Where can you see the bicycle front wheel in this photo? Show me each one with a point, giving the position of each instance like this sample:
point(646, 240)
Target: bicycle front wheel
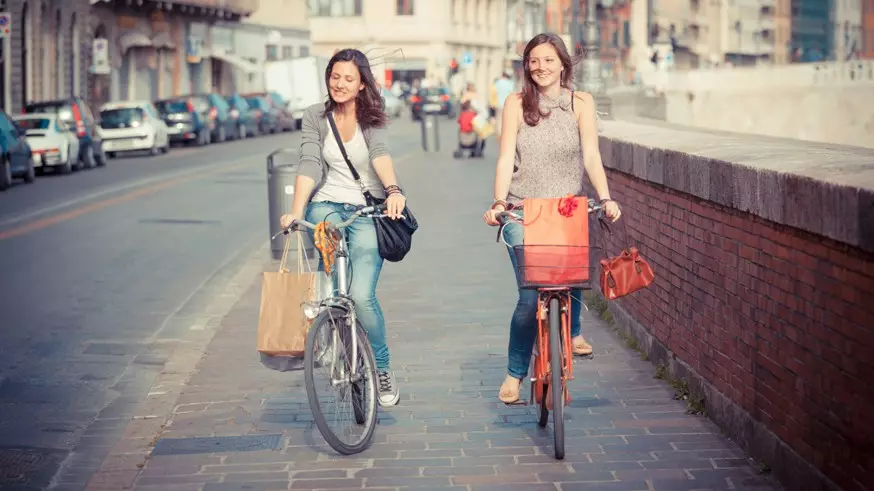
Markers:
point(344, 404)
point(556, 362)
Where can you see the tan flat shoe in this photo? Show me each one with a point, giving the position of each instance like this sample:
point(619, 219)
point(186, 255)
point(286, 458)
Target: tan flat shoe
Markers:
point(510, 389)
point(581, 347)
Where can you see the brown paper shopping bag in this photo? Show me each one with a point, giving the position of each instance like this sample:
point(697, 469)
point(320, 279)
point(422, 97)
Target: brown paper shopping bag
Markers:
point(282, 326)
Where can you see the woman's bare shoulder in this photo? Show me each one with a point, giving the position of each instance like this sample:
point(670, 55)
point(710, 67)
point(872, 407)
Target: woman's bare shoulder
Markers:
point(584, 97)
point(513, 101)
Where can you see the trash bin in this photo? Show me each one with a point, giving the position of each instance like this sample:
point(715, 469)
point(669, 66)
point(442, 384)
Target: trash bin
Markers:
point(430, 132)
point(280, 194)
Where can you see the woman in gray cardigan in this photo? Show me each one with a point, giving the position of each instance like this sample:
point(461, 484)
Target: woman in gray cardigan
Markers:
point(326, 190)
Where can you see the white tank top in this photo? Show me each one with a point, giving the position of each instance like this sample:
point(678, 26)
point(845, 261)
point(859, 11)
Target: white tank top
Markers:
point(340, 186)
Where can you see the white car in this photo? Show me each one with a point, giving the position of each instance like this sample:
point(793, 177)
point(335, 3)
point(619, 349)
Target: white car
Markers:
point(53, 142)
point(393, 105)
point(133, 126)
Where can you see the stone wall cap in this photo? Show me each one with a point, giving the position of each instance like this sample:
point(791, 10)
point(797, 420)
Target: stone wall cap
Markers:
point(821, 188)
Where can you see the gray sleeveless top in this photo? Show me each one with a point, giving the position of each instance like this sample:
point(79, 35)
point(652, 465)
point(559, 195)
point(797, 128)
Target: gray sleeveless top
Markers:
point(548, 156)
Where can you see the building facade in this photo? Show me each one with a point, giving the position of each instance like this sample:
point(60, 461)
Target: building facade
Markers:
point(867, 51)
point(46, 53)
point(847, 19)
point(277, 30)
point(782, 31)
point(813, 27)
point(748, 32)
point(525, 19)
point(416, 39)
point(153, 49)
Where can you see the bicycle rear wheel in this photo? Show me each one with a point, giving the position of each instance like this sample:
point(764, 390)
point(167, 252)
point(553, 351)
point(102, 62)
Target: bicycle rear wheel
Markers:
point(556, 362)
point(329, 347)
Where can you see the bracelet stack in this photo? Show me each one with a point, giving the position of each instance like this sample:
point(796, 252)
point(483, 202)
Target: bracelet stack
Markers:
point(393, 189)
point(499, 202)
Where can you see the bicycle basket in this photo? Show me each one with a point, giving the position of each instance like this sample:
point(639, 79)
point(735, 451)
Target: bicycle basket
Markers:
point(553, 266)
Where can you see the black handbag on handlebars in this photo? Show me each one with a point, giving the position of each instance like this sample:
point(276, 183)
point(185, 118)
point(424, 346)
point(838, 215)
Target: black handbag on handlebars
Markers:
point(394, 237)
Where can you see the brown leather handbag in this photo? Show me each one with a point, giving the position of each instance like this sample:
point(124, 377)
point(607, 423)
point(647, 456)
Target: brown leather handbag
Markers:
point(626, 273)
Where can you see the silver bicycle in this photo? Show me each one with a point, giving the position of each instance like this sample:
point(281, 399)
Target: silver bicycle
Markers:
point(343, 351)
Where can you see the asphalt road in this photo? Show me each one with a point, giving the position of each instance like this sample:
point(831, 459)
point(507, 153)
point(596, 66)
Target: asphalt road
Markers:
point(102, 274)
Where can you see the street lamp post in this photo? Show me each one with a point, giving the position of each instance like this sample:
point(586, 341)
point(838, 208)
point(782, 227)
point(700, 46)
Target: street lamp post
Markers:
point(590, 79)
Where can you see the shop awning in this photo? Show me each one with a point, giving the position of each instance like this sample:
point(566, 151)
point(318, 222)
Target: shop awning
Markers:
point(162, 40)
point(133, 39)
point(236, 61)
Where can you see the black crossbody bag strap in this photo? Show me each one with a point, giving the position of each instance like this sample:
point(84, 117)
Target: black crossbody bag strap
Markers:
point(367, 196)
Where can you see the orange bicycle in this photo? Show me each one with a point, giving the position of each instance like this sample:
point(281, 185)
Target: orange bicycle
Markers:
point(552, 270)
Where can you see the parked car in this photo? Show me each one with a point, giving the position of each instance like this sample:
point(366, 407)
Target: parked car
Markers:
point(15, 160)
point(267, 116)
point(185, 124)
point(218, 115)
point(245, 116)
point(285, 120)
point(432, 100)
point(132, 126)
point(53, 143)
point(393, 105)
point(76, 113)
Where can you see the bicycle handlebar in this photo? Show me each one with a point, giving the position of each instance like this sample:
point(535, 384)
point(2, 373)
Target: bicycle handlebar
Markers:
point(505, 216)
point(370, 211)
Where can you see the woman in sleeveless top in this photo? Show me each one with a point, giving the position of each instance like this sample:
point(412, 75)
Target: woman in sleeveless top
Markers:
point(554, 146)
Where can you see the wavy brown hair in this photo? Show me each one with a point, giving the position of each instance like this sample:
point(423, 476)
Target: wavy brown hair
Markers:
point(531, 112)
point(369, 105)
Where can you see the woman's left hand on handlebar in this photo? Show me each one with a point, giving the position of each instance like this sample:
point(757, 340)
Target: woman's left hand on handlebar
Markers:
point(394, 205)
point(611, 209)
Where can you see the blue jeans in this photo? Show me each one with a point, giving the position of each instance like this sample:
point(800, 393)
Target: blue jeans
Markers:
point(366, 263)
point(523, 326)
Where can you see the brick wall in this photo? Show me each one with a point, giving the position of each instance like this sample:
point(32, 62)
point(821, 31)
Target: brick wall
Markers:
point(776, 320)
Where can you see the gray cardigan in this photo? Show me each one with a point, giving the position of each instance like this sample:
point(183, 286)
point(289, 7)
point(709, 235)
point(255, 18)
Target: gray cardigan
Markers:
point(314, 129)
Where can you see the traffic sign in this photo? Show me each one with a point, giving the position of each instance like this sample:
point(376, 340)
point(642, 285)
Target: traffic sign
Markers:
point(5, 25)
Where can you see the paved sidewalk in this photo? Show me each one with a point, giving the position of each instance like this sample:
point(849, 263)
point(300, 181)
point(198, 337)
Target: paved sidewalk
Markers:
point(448, 307)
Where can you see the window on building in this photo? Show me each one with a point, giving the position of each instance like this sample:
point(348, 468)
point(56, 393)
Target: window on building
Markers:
point(304, 51)
point(272, 52)
point(405, 7)
point(334, 8)
point(287, 53)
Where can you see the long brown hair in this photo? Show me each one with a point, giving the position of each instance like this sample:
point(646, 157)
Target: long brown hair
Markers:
point(369, 105)
point(531, 112)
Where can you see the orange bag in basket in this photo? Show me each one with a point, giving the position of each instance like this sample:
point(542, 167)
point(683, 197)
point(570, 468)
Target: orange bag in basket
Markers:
point(556, 240)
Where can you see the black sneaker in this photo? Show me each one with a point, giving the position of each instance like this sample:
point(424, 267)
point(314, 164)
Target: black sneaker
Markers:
point(388, 389)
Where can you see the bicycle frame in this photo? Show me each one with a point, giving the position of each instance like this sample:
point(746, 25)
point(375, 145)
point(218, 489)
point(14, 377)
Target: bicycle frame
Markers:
point(340, 296)
point(542, 370)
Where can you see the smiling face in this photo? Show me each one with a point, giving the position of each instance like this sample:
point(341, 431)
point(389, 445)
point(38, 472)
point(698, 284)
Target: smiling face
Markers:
point(345, 82)
point(544, 65)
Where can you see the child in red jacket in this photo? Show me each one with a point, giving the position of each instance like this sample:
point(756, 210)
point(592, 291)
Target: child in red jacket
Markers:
point(467, 137)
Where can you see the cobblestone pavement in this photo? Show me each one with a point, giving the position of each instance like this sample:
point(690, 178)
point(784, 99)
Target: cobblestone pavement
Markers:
point(239, 426)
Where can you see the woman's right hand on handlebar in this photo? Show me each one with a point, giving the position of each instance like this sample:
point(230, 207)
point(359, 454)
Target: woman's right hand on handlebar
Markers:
point(286, 220)
point(491, 216)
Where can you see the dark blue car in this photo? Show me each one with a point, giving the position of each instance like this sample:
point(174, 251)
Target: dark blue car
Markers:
point(16, 160)
point(185, 124)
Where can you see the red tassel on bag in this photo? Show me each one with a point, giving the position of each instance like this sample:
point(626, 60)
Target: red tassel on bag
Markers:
point(567, 206)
